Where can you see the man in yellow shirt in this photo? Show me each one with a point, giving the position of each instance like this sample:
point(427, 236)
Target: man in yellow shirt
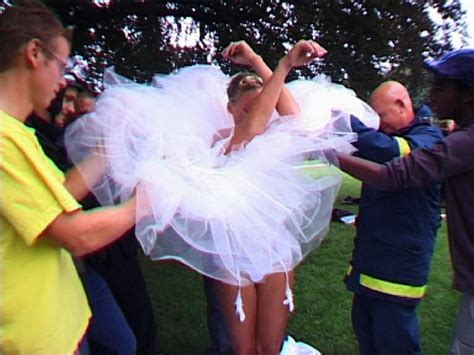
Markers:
point(43, 308)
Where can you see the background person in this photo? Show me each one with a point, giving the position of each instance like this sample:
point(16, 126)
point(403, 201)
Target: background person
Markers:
point(395, 231)
point(118, 263)
point(85, 100)
point(451, 160)
point(65, 111)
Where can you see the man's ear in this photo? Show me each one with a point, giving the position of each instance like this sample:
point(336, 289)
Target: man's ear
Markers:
point(400, 103)
point(31, 52)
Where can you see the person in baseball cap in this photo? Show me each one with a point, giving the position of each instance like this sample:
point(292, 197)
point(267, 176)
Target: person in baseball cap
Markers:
point(450, 161)
point(456, 65)
point(453, 74)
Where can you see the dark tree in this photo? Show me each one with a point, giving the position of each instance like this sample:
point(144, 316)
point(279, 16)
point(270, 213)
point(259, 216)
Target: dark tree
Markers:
point(368, 40)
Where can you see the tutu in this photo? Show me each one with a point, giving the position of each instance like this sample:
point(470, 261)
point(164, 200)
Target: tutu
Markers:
point(237, 217)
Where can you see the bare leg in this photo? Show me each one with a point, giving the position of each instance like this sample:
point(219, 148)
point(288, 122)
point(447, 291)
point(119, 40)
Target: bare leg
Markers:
point(241, 333)
point(272, 314)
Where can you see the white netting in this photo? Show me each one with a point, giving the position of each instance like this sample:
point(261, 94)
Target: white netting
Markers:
point(235, 217)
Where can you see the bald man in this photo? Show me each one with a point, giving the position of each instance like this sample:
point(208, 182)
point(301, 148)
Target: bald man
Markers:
point(395, 231)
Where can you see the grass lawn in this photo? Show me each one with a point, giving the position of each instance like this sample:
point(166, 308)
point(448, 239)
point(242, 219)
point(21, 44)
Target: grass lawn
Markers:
point(322, 315)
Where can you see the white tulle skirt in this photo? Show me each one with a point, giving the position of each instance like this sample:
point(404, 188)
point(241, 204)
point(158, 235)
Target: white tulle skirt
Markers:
point(236, 217)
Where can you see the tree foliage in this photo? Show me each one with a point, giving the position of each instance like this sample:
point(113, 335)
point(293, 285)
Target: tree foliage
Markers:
point(368, 40)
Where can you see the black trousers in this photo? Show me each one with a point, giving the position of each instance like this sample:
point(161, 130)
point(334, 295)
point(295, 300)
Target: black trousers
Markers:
point(118, 264)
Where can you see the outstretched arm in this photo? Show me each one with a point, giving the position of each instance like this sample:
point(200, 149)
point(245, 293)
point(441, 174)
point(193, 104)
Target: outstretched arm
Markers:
point(241, 53)
point(364, 170)
point(82, 232)
point(261, 109)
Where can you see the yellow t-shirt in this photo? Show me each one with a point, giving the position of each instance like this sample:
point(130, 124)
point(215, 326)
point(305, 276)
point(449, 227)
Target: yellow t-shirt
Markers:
point(43, 307)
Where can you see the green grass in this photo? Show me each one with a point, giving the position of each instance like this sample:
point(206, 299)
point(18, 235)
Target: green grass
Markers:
point(322, 315)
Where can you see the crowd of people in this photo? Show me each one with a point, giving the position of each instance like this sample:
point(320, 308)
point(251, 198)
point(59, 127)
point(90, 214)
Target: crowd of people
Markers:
point(86, 182)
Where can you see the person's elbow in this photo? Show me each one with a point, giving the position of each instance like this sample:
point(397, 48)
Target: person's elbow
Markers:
point(295, 111)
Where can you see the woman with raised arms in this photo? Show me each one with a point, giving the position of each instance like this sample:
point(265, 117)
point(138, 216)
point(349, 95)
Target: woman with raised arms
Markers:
point(221, 186)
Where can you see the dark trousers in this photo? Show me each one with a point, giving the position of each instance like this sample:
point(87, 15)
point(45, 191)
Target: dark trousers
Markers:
point(218, 333)
point(119, 265)
point(108, 328)
point(385, 327)
point(83, 346)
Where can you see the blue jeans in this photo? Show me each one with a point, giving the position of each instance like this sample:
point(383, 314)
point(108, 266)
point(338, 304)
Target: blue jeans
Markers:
point(385, 327)
point(108, 327)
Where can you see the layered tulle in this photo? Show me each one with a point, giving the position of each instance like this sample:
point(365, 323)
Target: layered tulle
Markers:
point(235, 217)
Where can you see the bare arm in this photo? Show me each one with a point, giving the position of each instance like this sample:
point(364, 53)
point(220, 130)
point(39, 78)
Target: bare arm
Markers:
point(241, 53)
point(261, 109)
point(83, 232)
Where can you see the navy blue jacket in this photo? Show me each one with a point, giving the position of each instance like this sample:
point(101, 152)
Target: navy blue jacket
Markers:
point(396, 231)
